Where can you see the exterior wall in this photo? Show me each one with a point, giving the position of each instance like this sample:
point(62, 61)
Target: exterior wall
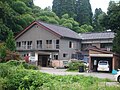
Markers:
point(64, 48)
point(37, 33)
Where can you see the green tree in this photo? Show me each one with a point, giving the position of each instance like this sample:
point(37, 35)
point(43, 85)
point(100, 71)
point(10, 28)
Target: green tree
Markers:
point(61, 7)
point(3, 31)
point(96, 20)
point(83, 12)
point(116, 43)
point(69, 23)
point(10, 42)
point(111, 20)
point(86, 28)
point(2, 51)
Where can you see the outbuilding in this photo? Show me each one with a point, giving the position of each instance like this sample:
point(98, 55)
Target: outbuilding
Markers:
point(95, 55)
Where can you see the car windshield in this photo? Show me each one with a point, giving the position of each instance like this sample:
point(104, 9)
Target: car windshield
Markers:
point(102, 63)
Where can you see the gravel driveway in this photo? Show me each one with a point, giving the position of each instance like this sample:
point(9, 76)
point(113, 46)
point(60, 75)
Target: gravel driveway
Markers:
point(64, 72)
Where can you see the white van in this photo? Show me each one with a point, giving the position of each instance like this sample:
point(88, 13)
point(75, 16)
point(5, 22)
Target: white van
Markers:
point(103, 65)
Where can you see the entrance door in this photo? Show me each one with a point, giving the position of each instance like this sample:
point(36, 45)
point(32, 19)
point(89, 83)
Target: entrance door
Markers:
point(43, 60)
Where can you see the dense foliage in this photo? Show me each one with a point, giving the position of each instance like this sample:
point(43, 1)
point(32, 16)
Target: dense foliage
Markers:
point(78, 9)
point(15, 77)
point(15, 15)
point(111, 21)
point(61, 7)
point(7, 49)
point(96, 20)
point(74, 65)
point(84, 12)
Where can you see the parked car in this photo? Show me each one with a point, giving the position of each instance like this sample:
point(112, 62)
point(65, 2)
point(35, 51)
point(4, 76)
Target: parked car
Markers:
point(117, 76)
point(103, 65)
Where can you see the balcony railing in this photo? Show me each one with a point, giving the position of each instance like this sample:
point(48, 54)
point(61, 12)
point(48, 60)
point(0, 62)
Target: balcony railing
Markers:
point(39, 47)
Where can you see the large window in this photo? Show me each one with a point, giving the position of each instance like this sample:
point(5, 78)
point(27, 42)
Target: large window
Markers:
point(29, 44)
point(49, 43)
point(18, 44)
point(39, 43)
point(24, 44)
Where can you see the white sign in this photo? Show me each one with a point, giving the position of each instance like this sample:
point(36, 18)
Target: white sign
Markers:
point(32, 58)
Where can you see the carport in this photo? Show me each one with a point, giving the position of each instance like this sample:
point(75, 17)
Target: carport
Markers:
point(95, 55)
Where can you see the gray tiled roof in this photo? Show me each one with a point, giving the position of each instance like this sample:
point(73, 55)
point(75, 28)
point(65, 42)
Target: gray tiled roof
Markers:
point(63, 31)
point(102, 35)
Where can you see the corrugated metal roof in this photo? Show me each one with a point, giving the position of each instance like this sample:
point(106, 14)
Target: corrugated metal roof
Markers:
point(101, 35)
point(63, 31)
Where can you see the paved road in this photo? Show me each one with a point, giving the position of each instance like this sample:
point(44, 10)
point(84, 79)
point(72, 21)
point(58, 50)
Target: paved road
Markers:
point(64, 72)
point(99, 75)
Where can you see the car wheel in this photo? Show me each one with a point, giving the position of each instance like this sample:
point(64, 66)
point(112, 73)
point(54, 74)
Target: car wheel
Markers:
point(118, 79)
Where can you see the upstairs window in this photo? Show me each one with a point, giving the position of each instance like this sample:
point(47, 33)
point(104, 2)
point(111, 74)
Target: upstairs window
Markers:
point(18, 44)
point(49, 43)
point(57, 44)
point(39, 43)
point(24, 44)
point(70, 44)
point(29, 44)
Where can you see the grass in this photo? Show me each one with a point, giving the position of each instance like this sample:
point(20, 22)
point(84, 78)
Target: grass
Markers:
point(20, 78)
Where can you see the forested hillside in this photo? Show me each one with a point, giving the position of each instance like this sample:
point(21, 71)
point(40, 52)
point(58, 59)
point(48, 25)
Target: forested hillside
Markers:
point(77, 15)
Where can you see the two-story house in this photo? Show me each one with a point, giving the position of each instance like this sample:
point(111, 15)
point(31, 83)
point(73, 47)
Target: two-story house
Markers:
point(45, 43)
point(98, 46)
point(100, 40)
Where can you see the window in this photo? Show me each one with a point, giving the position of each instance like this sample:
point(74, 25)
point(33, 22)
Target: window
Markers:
point(57, 44)
point(39, 43)
point(32, 53)
point(18, 44)
point(70, 44)
point(55, 57)
point(24, 45)
point(106, 45)
point(49, 43)
point(65, 55)
point(29, 44)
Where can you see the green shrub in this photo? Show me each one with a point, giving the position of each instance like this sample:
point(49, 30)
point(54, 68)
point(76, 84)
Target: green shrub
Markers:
point(5, 70)
point(74, 65)
point(22, 63)
point(30, 66)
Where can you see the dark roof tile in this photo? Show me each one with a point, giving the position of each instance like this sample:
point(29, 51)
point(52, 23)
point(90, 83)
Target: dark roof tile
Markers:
point(102, 35)
point(63, 31)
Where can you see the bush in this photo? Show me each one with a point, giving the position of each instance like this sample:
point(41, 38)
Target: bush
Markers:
point(5, 70)
point(22, 63)
point(74, 65)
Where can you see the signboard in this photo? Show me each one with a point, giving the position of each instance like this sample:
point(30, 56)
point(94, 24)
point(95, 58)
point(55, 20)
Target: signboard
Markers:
point(32, 58)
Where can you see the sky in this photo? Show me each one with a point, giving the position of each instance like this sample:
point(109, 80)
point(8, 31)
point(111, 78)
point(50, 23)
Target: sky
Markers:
point(103, 4)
